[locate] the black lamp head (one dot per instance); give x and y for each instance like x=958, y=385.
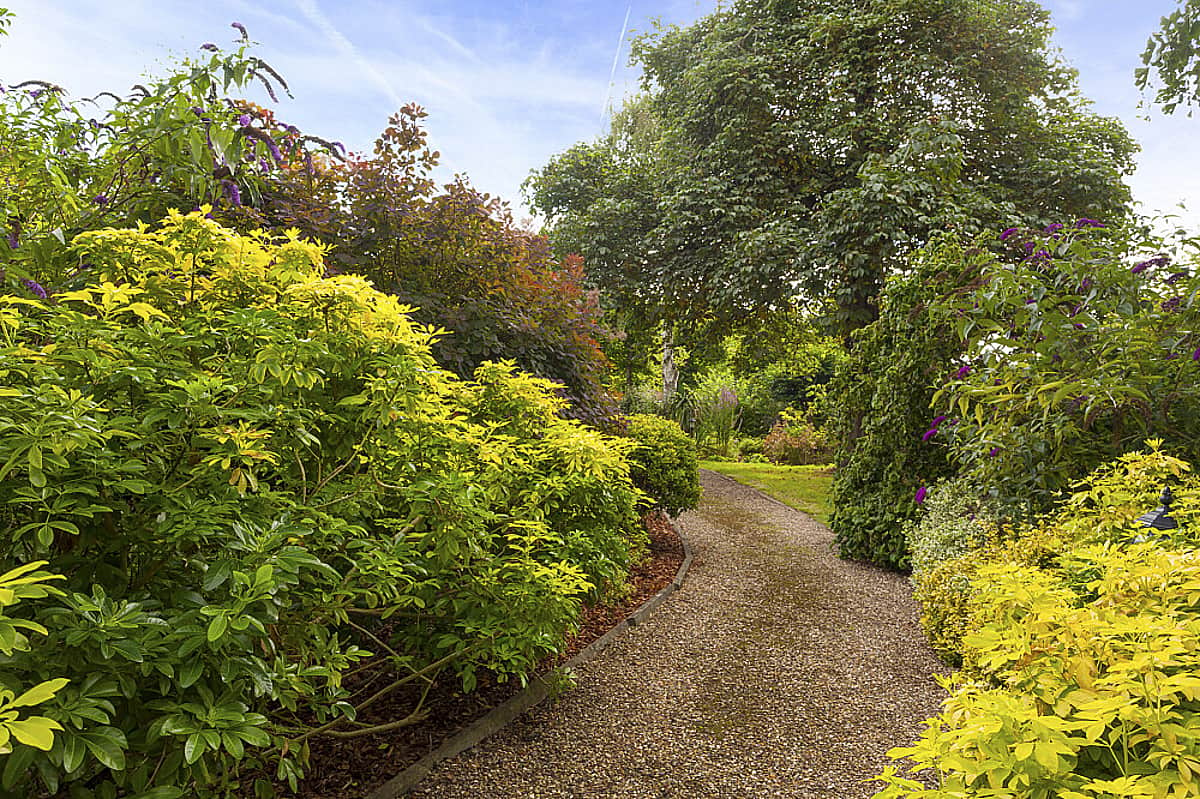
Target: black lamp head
x=1160, y=517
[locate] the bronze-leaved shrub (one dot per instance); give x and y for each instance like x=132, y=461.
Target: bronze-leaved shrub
x=271, y=508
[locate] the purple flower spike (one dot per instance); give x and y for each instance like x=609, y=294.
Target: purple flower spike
x=930, y=433
x=1028, y=247
x=938, y=421
x=100, y=199
x=1196, y=354
x=1082, y=223
x=1171, y=305
x=244, y=120
x=993, y=452
x=232, y=192
x=920, y=497
x=13, y=239
x=197, y=110
x=35, y=287
x=1140, y=267
x=962, y=372
x=1176, y=277
x=1053, y=228
x=1171, y=356
x=1012, y=231
x=241, y=29
x=212, y=48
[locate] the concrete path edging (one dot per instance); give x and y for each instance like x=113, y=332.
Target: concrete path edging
x=532, y=695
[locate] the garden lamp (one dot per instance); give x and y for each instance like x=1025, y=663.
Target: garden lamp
x=1160, y=517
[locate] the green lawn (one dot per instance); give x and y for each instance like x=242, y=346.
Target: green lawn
x=805, y=488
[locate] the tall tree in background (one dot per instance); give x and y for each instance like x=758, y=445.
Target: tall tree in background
x=807, y=146
x=1173, y=56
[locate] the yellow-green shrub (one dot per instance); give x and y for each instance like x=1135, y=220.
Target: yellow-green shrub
x=256, y=482
x=1074, y=696
x=1081, y=675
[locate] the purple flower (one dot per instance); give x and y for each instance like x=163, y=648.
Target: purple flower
x=1082, y=223
x=1053, y=228
x=1176, y=277
x=210, y=47
x=1172, y=356
x=13, y=239
x=1196, y=354
x=1085, y=285
x=241, y=28
x=930, y=433
x=35, y=287
x=1079, y=325
x=100, y=199
x=244, y=120
x=1162, y=259
x=1030, y=300
x=1028, y=247
x=1140, y=267
x=1171, y=305
x=1012, y=231
x=197, y=110
x=993, y=452
x=962, y=372
x=920, y=497
x=232, y=192
x=938, y=420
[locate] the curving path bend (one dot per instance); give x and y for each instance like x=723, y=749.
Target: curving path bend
x=778, y=670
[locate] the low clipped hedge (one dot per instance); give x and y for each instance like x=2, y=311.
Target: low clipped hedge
x=1081, y=653
x=250, y=504
x=663, y=463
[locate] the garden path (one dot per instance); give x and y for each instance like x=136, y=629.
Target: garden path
x=778, y=670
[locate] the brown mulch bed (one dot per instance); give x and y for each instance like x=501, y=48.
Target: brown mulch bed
x=350, y=768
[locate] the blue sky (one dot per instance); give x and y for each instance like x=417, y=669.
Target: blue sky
x=507, y=83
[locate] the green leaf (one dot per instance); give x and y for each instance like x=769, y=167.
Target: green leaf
x=216, y=628
x=189, y=672
x=107, y=744
x=193, y=748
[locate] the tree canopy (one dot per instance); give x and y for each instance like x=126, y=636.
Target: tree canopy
x=1173, y=56
x=807, y=147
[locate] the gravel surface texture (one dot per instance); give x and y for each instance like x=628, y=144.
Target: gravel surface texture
x=778, y=670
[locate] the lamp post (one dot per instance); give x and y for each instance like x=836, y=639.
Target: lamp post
x=1160, y=517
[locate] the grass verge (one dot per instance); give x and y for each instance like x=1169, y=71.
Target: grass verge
x=805, y=488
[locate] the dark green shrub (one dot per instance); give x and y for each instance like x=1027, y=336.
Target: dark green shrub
x=663, y=464
x=880, y=411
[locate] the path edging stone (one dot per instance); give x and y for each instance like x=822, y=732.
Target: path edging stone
x=532, y=695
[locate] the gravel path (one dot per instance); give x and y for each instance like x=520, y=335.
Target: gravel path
x=777, y=671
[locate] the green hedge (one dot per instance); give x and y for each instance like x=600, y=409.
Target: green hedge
x=261, y=491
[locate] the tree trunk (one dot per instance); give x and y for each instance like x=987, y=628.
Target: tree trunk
x=670, y=369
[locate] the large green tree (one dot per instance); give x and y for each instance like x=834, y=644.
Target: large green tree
x=1172, y=56
x=808, y=146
